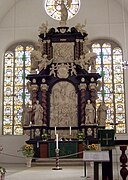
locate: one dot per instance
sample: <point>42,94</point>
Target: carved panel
<point>63,52</point>
<point>63,110</point>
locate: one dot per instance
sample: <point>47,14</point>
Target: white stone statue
<point>64,13</point>
<point>52,70</point>
<point>92,61</point>
<point>38,110</point>
<point>73,69</point>
<point>89,113</point>
<point>36,56</point>
<point>80,28</point>
<point>44,62</point>
<point>83,61</point>
<point>43,29</point>
<point>102,114</point>
<point>27,115</point>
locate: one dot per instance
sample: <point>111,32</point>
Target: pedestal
<point>96,157</point>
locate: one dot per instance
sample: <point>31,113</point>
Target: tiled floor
<point>21,172</point>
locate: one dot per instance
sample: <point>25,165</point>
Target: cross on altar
<point>107,139</point>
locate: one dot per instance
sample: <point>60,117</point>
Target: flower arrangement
<point>45,136</point>
<point>80,135</point>
<point>91,147</point>
<point>27,150</point>
<point>2,170</point>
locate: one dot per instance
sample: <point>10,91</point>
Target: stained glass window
<point>53,8</point>
<point>16,67</point>
<point>109,66</point>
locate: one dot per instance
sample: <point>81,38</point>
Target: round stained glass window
<point>53,8</point>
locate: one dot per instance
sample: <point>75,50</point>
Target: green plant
<point>45,136</point>
<point>27,150</point>
<point>80,135</point>
<point>2,170</point>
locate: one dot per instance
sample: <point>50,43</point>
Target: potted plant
<point>28,152</point>
<point>2,172</point>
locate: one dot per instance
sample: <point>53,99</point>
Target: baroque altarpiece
<point>63,78</point>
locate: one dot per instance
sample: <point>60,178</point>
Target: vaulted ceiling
<point>6,5</point>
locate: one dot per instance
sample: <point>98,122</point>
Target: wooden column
<point>81,46</point>
<point>44,89</point>
<point>77,49</point>
<point>82,102</point>
<point>49,49</point>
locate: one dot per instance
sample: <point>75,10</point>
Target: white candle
<point>70,131</point>
<point>55,130</point>
<point>56,141</point>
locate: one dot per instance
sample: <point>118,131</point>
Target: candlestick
<point>56,141</point>
<point>55,130</point>
<point>70,131</point>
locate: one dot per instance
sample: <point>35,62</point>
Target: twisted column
<point>44,89</point>
<point>34,93</point>
<point>77,49</point>
<point>82,102</point>
<point>48,49</point>
<point>34,88</point>
<point>81,47</point>
<point>44,47</point>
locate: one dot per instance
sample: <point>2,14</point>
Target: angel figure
<point>43,29</point>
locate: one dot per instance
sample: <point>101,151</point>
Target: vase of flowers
<point>2,173</point>
<point>80,136</point>
<point>45,136</point>
<point>91,147</point>
<point>28,152</point>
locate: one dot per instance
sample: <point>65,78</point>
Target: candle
<point>70,131</point>
<point>56,141</point>
<point>55,130</point>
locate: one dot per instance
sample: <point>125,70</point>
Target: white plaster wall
<point>104,20</point>
<point>11,146</point>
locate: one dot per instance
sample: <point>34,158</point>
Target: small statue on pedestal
<point>38,110</point>
<point>89,113</point>
<point>27,115</point>
<point>102,114</point>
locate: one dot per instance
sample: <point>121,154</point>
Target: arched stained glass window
<point>109,66</point>
<point>53,8</point>
<point>16,67</point>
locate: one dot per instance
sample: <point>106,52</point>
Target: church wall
<point>22,22</point>
<point>11,145</point>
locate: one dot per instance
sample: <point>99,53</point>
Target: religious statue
<point>102,114</point>
<point>92,61</point>
<point>64,13</point>
<point>27,115</point>
<point>83,61</point>
<point>73,69</point>
<point>44,62</point>
<point>52,70</point>
<point>89,113</point>
<point>36,56</point>
<point>43,29</point>
<point>38,110</point>
<point>80,28</point>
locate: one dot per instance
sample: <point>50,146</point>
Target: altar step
<point>62,162</point>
